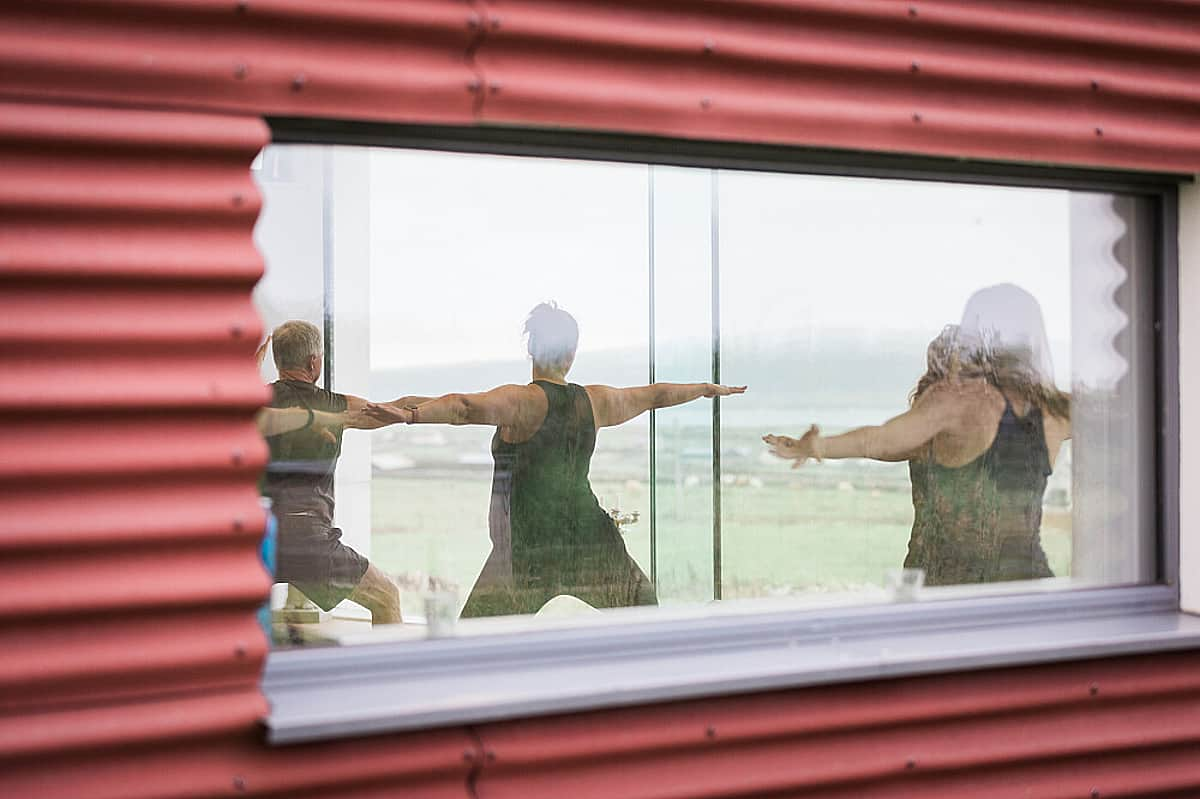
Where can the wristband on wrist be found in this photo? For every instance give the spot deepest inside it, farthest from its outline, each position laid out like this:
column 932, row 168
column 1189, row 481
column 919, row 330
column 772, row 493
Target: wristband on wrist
column 311, row 417
column 413, row 411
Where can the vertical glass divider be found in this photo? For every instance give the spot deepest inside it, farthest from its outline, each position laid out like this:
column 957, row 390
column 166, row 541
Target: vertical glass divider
column 650, row 380
column 715, row 260
column 327, row 260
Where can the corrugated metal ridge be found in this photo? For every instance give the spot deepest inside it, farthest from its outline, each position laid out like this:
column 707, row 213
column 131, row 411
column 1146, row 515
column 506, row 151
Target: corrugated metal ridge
column 1085, row 83
column 892, row 58
column 846, row 707
column 130, row 655
column 132, row 523
column 180, row 765
column 931, row 19
column 1026, row 82
column 890, row 733
column 404, row 60
column 174, row 719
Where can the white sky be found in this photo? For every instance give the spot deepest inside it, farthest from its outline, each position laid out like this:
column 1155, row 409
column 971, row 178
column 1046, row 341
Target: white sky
column 462, row 246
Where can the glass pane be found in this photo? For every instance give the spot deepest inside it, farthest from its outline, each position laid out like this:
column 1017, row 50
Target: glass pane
column 450, row 291
column 683, row 353
column 977, row 362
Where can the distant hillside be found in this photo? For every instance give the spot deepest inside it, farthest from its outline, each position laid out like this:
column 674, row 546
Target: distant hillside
column 842, row 371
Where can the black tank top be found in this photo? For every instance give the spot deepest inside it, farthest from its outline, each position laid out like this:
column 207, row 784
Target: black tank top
column 982, row 522
column 549, row 534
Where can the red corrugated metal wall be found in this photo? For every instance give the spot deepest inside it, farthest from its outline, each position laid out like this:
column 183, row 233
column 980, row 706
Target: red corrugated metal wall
column 129, row 574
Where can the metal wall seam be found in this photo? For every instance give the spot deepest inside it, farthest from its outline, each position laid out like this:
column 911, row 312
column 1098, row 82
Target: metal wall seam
column 1062, row 730
column 131, row 526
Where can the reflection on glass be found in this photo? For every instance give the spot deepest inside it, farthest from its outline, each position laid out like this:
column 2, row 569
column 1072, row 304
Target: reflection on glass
column 977, row 359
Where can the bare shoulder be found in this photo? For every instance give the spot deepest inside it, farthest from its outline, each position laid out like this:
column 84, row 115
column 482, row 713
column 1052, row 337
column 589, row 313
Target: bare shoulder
column 961, row 403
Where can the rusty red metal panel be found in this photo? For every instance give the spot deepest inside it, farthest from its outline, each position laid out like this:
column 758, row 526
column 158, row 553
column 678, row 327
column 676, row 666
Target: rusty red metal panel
column 129, row 572
column 1059, row 730
column 1088, row 82
column 407, row 61
column 1102, row 84
column 128, row 561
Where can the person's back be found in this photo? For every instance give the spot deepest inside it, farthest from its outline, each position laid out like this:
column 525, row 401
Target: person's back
column 977, row 493
column 549, row 534
column 299, row 477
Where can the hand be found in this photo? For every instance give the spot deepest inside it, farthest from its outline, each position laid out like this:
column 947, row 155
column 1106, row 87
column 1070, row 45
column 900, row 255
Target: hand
column 387, row 413
column 797, row 449
column 261, row 352
column 714, row 390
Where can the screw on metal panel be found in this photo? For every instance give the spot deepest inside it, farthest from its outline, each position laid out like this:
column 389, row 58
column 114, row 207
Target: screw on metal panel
column 1095, row 793
column 910, row 763
column 495, row 23
column 915, row 66
column 239, row 784
column 490, row 756
column 238, row 200
column 469, row 755
column 240, row 650
column 236, row 331
column 241, row 6
column 916, row 117
column 709, row 46
column 239, row 71
column 711, row 731
column 236, row 457
column 912, row 11
column 1095, row 85
column 1099, row 131
column 706, row 102
column 494, row 88
column 473, row 22
column 238, row 525
column 298, row 82
column 473, row 85
column 1093, row 689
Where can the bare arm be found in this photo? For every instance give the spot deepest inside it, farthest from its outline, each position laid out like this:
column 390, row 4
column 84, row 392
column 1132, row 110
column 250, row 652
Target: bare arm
column 614, row 406
column 356, row 408
column 505, row 406
column 897, row 439
column 277, row 421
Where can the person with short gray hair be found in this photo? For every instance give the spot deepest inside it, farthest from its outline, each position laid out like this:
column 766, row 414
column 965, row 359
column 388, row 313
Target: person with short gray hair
column 299, row 481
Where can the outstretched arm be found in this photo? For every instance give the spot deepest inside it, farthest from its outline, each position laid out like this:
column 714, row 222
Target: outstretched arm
column 357, row 407
column 502, row 407
column 897, row 439
column 614, row 406
column 277, row 421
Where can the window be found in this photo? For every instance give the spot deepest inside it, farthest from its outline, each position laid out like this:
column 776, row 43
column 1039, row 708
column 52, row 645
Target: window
column 825, row 295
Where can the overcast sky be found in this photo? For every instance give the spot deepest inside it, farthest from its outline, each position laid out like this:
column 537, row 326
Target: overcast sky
column 462, row 246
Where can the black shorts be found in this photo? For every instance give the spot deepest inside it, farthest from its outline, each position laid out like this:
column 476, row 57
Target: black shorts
column 313, row 558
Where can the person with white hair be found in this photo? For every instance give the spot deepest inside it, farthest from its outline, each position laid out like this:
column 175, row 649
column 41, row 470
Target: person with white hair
column 984, row 428
column 303, row 429
column 549, row 535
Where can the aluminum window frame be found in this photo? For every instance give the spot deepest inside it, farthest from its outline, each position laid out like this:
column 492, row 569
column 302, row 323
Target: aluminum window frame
column 322, row 693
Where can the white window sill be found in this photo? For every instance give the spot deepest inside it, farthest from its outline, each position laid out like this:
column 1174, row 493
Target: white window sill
column 525, row 668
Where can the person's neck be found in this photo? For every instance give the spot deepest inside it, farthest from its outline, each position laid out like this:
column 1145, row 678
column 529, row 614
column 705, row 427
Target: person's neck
column 299, row 375
column 550, row 376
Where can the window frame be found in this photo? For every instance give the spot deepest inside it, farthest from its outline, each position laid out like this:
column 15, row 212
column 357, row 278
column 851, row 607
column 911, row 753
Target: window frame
column 321, row 693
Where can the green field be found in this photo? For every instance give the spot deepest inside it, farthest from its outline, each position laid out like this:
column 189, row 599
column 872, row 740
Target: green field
column 813, row 530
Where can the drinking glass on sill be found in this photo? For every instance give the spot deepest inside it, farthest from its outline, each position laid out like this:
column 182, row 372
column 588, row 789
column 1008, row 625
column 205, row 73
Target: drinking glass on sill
column 904, row 584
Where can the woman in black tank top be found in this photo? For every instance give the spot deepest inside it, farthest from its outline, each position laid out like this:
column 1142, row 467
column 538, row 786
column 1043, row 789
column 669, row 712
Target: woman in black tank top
column 549, row 534
column 977, row 462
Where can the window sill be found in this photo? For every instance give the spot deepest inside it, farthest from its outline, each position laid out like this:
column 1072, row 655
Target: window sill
column 402, row 685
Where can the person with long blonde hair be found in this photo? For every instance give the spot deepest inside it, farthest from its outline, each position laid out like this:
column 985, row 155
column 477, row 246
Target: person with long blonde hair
column 981, row 435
